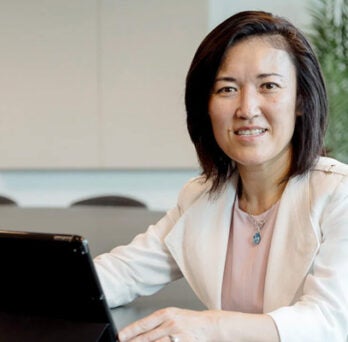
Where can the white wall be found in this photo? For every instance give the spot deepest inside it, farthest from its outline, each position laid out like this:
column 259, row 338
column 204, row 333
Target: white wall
column 49, row 94
column 295, row 10
column 147, row 48
column 96, row 83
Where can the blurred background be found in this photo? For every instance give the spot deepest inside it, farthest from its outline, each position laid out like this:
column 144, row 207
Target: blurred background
column 92, row 92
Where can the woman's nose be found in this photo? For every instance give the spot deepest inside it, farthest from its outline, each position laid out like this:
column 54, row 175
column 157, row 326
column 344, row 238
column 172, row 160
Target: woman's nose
column 248, row 106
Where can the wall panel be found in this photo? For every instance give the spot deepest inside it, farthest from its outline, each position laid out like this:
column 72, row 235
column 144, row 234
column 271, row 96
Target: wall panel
column 48, row 87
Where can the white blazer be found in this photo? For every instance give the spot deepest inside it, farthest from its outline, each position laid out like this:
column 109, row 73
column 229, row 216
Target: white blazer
column 306, row 285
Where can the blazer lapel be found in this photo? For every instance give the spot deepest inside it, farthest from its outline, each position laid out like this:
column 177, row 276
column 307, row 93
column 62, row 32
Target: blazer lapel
column 205, row 224
column 294, row 244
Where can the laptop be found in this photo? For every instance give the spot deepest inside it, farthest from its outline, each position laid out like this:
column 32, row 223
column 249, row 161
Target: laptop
column 49, row 290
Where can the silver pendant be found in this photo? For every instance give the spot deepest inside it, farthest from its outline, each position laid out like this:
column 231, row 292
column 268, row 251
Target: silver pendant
column 257, row 238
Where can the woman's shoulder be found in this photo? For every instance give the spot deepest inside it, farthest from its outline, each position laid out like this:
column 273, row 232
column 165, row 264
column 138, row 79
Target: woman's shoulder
column 329, row 175
column 330, row 166
column 195, row 188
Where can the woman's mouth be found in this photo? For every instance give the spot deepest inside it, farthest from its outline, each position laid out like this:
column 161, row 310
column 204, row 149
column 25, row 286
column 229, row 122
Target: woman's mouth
column 250, row 132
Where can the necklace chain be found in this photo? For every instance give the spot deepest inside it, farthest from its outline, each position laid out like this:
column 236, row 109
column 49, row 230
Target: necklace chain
column 257, row 224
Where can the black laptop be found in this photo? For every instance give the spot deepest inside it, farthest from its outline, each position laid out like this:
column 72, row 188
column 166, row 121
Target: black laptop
column 49, row 290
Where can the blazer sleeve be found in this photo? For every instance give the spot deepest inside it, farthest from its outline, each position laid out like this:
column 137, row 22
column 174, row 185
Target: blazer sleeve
column 321, row 313
column 145, row 265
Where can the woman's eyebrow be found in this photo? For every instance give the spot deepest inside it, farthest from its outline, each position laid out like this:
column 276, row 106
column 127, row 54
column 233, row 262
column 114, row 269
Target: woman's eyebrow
column 264, row 75
column 226, row 79
column 260, row 76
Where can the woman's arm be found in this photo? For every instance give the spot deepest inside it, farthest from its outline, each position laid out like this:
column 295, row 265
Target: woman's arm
column 145, row 265
column 141, row 268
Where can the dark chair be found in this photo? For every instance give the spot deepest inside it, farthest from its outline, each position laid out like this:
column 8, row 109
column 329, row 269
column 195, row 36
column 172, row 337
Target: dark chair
column 111, row 200
column 7, row 201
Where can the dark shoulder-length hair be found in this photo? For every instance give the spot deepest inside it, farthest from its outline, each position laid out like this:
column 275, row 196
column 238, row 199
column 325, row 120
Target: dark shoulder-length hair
column 307, row 141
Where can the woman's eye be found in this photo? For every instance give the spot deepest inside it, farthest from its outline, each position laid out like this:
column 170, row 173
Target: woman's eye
column 226, row 90
column 269, row 86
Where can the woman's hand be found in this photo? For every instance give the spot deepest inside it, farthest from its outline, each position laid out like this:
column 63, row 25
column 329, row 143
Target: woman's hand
column 172, row 324
column 178, row 325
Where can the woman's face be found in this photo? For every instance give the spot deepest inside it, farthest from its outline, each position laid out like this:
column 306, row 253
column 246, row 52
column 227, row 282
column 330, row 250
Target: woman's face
column 253, row 103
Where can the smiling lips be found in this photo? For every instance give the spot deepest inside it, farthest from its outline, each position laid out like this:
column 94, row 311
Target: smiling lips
column 249, row 131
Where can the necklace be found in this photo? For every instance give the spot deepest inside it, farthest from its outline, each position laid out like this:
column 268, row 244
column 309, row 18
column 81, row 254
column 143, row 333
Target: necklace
column 258, row 225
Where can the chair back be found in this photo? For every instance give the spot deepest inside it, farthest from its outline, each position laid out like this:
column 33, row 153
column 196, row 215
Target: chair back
column 111, row 200
column 7, row 201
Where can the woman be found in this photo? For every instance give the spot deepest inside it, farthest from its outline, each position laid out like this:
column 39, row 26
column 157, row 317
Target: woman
column 262, row 235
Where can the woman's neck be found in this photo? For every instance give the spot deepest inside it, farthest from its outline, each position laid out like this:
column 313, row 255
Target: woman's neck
column 260, row 187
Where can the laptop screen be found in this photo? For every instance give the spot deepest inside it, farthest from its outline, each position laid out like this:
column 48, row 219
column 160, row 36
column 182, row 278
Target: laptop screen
column 50, row 275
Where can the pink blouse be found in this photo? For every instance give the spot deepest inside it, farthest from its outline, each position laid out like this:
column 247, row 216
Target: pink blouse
column 246, row 262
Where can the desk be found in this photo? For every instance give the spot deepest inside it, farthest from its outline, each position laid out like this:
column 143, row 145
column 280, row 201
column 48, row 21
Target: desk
column 104, row 228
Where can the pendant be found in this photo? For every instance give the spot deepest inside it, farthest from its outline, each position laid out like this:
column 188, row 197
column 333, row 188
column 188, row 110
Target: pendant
column 257, row 238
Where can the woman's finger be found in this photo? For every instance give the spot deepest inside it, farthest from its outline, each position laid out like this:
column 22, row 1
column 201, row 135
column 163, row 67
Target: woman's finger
column 144, row 325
